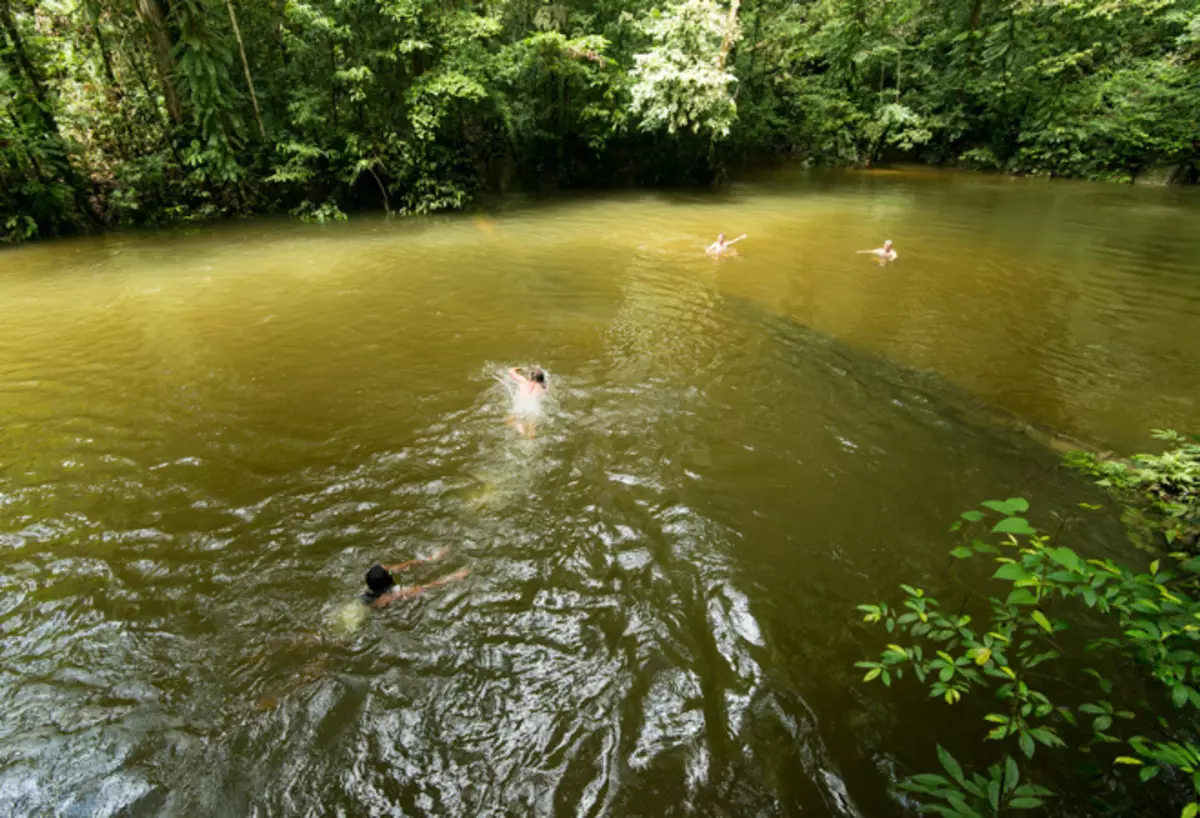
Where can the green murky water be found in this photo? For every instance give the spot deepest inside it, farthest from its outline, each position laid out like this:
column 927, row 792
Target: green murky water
column 209, row 435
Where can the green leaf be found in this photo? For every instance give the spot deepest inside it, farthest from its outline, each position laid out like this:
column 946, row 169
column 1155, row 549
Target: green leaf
column 1179, row 695
column 1047, row 736
column 1190, row 810
column 1009, row 507
column 928, row 782
column 972, row 516
column 1025, row 803
column 1101, row 723
column 1146, row 773
column 993, row 791
column 1013, row 525
column 1041, row 619
column 950, row 764
column 1066, row 558
column 1011, row 571
column 1136, row 762
column 1012, row 774
column 1021, row 596
column 1027, row 745
column 962, row 552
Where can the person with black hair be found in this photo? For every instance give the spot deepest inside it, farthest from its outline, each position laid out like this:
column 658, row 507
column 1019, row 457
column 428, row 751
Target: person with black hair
column 382, row 589
column 527, row 399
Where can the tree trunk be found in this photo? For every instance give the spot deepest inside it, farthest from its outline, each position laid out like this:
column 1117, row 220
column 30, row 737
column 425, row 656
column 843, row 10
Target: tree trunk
column 116, row 94
column 140, row 72
column 246, row 68
column 333, row 89
column 154, row 14
column 975, row 13
column 730, row 27
column 753, row 42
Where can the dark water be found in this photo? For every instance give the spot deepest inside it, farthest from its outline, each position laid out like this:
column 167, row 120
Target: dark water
column 209, row 435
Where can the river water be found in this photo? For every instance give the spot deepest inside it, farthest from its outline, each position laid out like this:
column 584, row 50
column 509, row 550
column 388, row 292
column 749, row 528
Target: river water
column 210, row 434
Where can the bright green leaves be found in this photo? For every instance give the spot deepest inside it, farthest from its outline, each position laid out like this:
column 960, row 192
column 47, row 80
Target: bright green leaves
column 874, row 670
column 1020, row 596
column 1014, row 525
column 1009, row 507
column 1011, row 571
column 682, row 82
column 1066, row 558
column 1152, row 617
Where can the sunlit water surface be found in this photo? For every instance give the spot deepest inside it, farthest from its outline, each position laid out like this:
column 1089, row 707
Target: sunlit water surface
column 208, row 435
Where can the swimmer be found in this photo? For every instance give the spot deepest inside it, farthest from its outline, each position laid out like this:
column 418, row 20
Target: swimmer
column 382, row 589
column 884, row 253
column 720, row 246
column 527, row 399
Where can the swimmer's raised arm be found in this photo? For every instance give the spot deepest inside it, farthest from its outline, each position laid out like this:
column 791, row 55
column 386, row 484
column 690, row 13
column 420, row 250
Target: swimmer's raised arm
column 735, row 241
column 886, row 252
column 516, row 375
column 417, row 590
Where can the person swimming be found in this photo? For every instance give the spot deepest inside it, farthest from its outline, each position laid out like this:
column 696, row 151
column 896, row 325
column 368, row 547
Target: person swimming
column 720, row 246
column 382, row 589
column 884, row 253
column 527, row 398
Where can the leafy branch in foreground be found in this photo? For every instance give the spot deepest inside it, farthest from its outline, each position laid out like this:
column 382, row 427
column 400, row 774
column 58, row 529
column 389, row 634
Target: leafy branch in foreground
column 1049, row 676
column 1160, row 493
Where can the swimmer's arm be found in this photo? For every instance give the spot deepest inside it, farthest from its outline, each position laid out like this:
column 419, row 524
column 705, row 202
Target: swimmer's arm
column 400, row 566
column 735, row 241
column 417, row 590
column 516, row 375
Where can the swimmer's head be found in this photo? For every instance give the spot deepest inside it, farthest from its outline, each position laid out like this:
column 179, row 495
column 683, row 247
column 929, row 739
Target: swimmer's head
column 537, row 375
column 720, row 237
column 887, row 245
column 379, row 579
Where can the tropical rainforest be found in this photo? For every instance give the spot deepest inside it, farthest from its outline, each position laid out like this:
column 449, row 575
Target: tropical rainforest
column 158, row 111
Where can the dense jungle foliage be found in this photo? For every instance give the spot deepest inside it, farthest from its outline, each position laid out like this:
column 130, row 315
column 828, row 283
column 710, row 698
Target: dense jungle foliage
column 156, row 110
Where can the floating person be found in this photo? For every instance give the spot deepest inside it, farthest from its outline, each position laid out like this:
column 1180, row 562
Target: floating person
column 720, row 246
column 884, row 253
column 382, row 589
column 527, row 399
